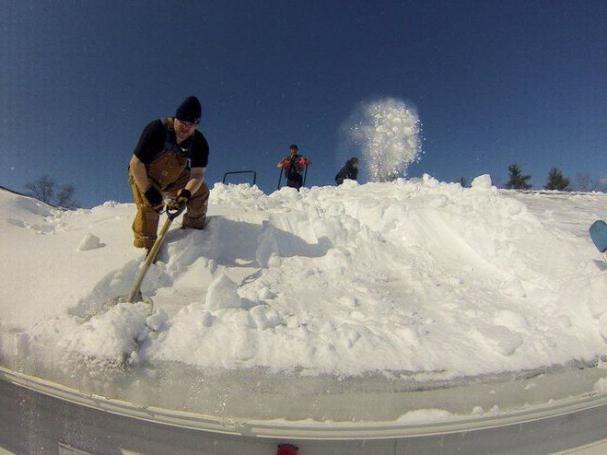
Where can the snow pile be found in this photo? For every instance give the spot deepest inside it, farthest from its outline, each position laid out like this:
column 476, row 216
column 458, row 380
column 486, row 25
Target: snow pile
column 413, row 276
column 387, row 132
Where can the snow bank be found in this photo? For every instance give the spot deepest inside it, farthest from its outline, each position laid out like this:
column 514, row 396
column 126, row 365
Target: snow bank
column 413, row 276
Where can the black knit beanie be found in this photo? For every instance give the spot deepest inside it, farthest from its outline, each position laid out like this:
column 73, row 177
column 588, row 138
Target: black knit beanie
column 189, row 110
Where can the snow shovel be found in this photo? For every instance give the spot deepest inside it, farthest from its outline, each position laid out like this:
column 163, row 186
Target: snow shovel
column 598, row 234
column 134, row 294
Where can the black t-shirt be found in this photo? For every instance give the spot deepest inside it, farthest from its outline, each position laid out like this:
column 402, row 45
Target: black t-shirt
column 152, row 140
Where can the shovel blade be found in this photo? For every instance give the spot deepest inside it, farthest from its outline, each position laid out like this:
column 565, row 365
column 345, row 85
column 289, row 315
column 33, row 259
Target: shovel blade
column 125, row 299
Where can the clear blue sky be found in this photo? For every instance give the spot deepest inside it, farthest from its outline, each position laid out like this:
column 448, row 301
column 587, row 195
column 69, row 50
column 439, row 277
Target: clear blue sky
column 494, row 82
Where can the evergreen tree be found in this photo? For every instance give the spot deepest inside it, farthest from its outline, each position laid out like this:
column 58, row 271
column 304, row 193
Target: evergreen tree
column 463, row 182
column 556, row 181
column 516, row 179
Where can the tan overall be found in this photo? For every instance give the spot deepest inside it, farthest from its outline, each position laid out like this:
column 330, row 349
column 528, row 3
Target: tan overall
column 169, row 173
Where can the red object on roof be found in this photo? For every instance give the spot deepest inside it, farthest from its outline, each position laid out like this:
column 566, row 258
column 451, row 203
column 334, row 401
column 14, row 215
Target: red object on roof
column 287, row 449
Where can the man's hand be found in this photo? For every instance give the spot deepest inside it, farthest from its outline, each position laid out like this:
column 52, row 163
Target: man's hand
column 183, row 197
column 154, row 198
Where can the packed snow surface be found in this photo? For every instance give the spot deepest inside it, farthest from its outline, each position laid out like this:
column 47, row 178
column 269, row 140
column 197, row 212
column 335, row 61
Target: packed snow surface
column 413, row 276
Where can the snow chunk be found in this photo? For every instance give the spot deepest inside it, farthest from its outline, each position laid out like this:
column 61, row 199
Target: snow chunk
column 430, row 181
column 264, row 317
column 482, row 182
column 90, row 242
column 223, row 293
column 504, row 340
column 477, row 411
column 157, row 320
column 110, row 335
column 600, row 386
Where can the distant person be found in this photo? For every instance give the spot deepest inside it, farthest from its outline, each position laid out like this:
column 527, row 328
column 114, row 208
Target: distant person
column 170, row 159
column 294, row 165
column 349, row 171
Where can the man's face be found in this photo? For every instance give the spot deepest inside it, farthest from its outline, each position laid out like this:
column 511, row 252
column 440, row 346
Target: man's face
column 184, row 129
column 293, row 151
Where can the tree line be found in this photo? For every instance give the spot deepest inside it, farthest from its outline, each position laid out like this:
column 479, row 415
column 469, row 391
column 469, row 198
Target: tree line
column 47, row 190
column 555, row 180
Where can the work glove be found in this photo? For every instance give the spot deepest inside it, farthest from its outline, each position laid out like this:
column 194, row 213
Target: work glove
column 154, row 198
column 183, row 197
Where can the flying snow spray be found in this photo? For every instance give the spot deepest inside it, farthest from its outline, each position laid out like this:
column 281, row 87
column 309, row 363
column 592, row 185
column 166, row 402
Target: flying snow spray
column 388, row 134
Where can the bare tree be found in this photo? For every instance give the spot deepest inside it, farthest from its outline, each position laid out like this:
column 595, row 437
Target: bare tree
column 599, row 184
column 65, row 197
column 44, row 189
column 583, row 182
column 586, row 182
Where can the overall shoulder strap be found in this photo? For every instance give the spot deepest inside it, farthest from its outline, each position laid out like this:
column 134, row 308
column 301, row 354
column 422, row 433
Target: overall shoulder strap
column 170, row 141
column 167, row 122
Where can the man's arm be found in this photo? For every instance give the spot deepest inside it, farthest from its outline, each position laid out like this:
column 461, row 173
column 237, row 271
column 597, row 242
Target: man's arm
column 302, row 163
column 196, row 179
column 185, row 194
column 149, row 144
column 142, row 181
column 140, row 174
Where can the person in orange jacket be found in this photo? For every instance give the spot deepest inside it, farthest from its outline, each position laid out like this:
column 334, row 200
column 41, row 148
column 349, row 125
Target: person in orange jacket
column 294, row 165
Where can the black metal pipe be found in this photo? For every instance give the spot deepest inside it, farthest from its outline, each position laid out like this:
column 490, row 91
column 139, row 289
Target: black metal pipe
column 240, row 172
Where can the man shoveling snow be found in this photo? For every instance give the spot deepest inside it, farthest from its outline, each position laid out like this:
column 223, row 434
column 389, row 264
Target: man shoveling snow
column 170, row 159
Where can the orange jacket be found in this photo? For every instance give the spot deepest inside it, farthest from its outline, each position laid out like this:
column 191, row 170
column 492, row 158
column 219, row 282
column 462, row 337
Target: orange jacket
column 300, row 163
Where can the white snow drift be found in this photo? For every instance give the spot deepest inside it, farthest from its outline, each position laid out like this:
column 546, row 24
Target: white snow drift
column 410, row 276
